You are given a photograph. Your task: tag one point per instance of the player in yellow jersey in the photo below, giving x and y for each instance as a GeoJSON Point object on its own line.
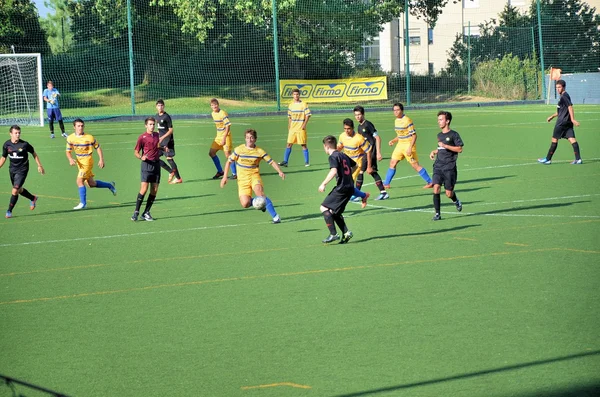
{"type": "Point", "coordinates": [222, 140]}
{"type": "Point", "coordinates": [248, 157]}
{"type": "Point", "coordinates": [298, 116]}
{"type": "Point", "coordinates": [356, 147]}
{"type": "Point", "coordinates": [406, 137]}
{"type": "Point", "coordinates": [83, 145]}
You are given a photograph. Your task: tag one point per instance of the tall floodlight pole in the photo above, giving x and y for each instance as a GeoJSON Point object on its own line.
{"type": "Point", "coordinates": [539, 18]}
{"type": "Point", "coordinates": [276, 53]}
{"type": "Point", "coordinates": [407, 38]}
{"type": "Point", "coordinates": [130, 41]}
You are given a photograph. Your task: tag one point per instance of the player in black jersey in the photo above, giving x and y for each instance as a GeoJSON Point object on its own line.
{"type": "Point", "coordinates": [368, 130]}
{"type": "Point", "coordinates": [332, 208]}
{"type": "Point", "coordinates": [17, 151]}
{"type": "Point", "coordinates": [167, 142]}
{"type": "Point", "coordinates": [564, 125]}
{"type": "Point", "coordinates": [445, 172]}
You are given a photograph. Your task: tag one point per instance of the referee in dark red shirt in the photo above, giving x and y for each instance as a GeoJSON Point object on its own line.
{"type": "Point", "coordinates": [147, 150]}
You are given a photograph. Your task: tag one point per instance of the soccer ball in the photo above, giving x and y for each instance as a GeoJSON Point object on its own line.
{"type": "Point", "coordinates": [259, 202]}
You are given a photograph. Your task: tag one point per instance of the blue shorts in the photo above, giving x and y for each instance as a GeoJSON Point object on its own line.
{"type": "Point", "coordinates": [54, 114]}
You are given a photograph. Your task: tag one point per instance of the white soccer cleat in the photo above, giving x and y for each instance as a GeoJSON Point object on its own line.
{"type": "Point", "coordinates": [79, 206]}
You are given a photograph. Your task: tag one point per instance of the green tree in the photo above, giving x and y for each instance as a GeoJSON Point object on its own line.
{"type": "Point", "coordinates": [57, 26]}
{"type": "Point", "coordinates": [19, 27]}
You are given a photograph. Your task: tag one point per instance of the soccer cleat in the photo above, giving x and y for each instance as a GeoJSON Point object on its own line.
{"type": "Point", "coordinates": [383, 196]}
{"type": "Point", "coordinates": [386, 187]}
{"type": "Point", "coordinates": [307, 164]}
{"type": "Point", "coordinates": [176, 181]}
{"type": "Point", "coordinates": [428, 186]}
{"type": "Point", "coordinates": [233, 177]}
{"type": "Point", "coordinates": [218, 175]}
{"type": "Point", "coordinates": [437, 217]}
{"type": "Point", "coordinates": [51, 136]}
{"type": "Point", "coordinates": [33, 202]}
{"type": "Point", "coordinates": [64, 135]}
{"type": "Point", "coordinates": [544, 161]}
{"type": "Point", "coordinates": [8, 214]}
{"type": "Point", "coordinates": [331, 238]}
{"type": "Point", "coordinates": [79, 206]}
{"type": "Point", "coordinates": [355, 199]}
{"type": "Point", "coordinates": [171, 176]}
{"type": "Point", "coordinates": [577, 161]}
{"type": "Point", "coordinates": [283, 164]}
{"type": "Point", "coordinates": [276, 220]}
{"type": "Point", "coordinates": [135, 215]}
{"type": "Point", "coordinates": [346, 237]}
{"type": "Point", "coordinates": [147, 216]}
{"type": "Point", "coordinates": [458, 205]}
{"type": "Point", "coordinates": [113, 189]}
{"type": "Point", "coordinates": [364, 200]}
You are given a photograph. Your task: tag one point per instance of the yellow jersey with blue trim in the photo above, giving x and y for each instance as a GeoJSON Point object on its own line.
{"type": "Point", "coordinates": [354, 146]}
{"type": "Point", "coordinates": [247, 159]}
{"type": "Point", "coordinates": [83, 146]}
{"type": "Point", "coordinates": [297, 113]}
{"type": "Point", "coordinates": [221, 119]}
{"type": "Point", "coordinates": [404, 128]}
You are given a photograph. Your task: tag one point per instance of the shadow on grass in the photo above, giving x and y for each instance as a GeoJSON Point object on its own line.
{"type": "Point", "coordinates": [223, 212]}
{"type": "Point", "coordinates": [590, 390]}
{"type": "Point", "coordinates": [529, 207]}
{"type": "Point", "coordinates": [430, 232]}
{"type": "Point", "coordinates": [428, 192]}
{"type": "Point", "coordinates": [493, 178]}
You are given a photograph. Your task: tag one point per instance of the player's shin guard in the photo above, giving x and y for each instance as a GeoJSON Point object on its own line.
{"type": "Point", "coordinates": [62, 126]}
{"type": "Point", "coordinates": [83, 195]}
{"type": "Point", "coordinates": [138, 202]}
{"type": "Point", "coordinates": [339, 220]}
{"type": "Point", "coordinates": [165, 167]}
{"type": "Point", "coordinates": [423, 173]}
{"type": "Point", "coordinates": [270, 207]}
{"type": "Point", "coordinates": [389, 176]}
{"type": "Point", "coordinates": [359, 180]}
{"type": "Point", "coordinates": [551, 151]}
{"type": "Point", "coordinates": [576, 151]}
{"type": "Point", "coordinates": [149, 202]}
{"type": "Point", "coordinates": [25, 193]}
{"type": "Point", "coordinates": [453, 197]}
{"type": "Point", "coordinates": [51, 125]}
{"type": "Point", "coordinates": [286, 154]}
{"type": "Point", "coordinates": [359, 193]}
{"type": "Point", "coordinates": [436, 202]}
{"type": "Point", "coordinates": [329, 222]}
{"type": "Point", "coordinates": [217, 162]}
{"type": "Point", "coordinates": [174, 168]}
{"type": "Point", "coordinates": [305, 153]}
{"type": "Point", "coordinates": [13, 202]}
{"type": "Point", "coordinates": [379, 185]}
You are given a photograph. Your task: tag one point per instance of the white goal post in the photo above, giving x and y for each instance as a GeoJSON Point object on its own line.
{"type": "Point", "coordinates": [21, 89]}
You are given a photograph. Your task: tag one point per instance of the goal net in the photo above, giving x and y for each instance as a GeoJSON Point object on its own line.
{"type": "Point", "coordinates": [21, 89]}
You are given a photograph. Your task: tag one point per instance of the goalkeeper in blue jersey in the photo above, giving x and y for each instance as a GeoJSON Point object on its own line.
{"type": "Point", "coordinates": [50, 96]}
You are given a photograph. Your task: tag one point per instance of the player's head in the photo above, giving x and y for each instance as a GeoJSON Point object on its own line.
{"type": "Point", "coordinates": [250, 135]}
{"type": "Point", "coordinates": [160, 102]}
{"type": "Point", "coordinates": [560, 86]}
{"type": "Point", "coordinates": [15, 131]}
{"type": "Point", "coordinates": [444, 118]}
{"type": "Point", "coordinates": [149, 119]}
{"type": "Point", "coordinates": [330, 142]}
{"type": "Point", "coordinates": [398, 109]}
{"type": "Point", "coordinates": [296, 94]}
{"type": "Point", "coordinates": [214, 104]}
{"type": "Point", "coordinates": [348, 126]}
{"type": "Point", "coordinates": [359, 113]}
{"type": "Point", "coordinates": [78, 124]}
{"type": "Point", "coordinates": [160, 106]}
{"type": "Point", "coordinates": [50, 84]}
{"type": "Point", "coordinates": [149, 123]}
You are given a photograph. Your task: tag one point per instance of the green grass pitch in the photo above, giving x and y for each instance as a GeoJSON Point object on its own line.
{"type": "Point", "coordinates": [212, 299]}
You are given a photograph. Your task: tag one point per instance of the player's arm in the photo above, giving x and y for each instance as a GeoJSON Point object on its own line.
{"type": "Point", "coordinates": [572, 116]}
{"type": "Point", "coordinates": [39, 163]}
{"type": "Point", "coordinates": [225, 173]}
{"type": "Point", "coordinates": [306, 118]}
{"type": "Point", "coordinates": [2, 161]}
{"type": "Point", "coordinates": [457, 149]}
{"type": "Point", "coordinates": [69, 155]}
{"type": "Point", "coordinates": [413, 141]}
{"type": "Point", "coordinates": [167, 134]}
{"type": "Point", "coordinates": [378, 146]}
{"type": "Point", "coordinates": [101, 156]}
{"type": "Point", "coordinates": [549, 119]}
{"type": "Point", "coordinates": [276, 166]}
{"type": "Point", "coordinates": [226, 134]}
{"type": "Point", "coordinates": [332, 173]}
{"type": "Point", "coordinates": [433, 154]}
{"type": "Point", "coordinates": [393, 141]}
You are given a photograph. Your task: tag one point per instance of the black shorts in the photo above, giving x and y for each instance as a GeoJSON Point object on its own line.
{"type": "Point", "coordinates": [170, 152]}
{"type": "Point", "coordinates": [336, 200]}
{"type": "Point", "coordinates": [563, 131]}
{"type": "Point", "coordinates": [445, 177]}
{"type": "Point", "coordinates": [151, 171]}
{"type": "Point", "coordinates": [18, 178]}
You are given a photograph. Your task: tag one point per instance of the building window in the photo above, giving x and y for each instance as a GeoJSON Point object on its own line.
{"type": "Point", "coordinates": [516, 3]}
{"type": "Point", "coordinates": [474, 30]}
{"type": "Point", "coordinates": [370, 50]}
{"type": "Point", "coordinates": [430, 36]}
{"type": "Point", "coordinates": [414, 40]}
{"type": "Point", "coordinates": [430, 68]}
{"type": "Point", "coordinates": [470, 3]}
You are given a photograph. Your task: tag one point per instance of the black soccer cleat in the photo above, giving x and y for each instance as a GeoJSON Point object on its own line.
{"type": "Point", "coordinates": [437, 217]}
{"type": "Point", "coordinates": [458, 205]}
{"type": "Point", "coordinates": [283, 164]}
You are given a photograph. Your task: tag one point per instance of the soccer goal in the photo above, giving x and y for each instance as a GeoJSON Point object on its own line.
{"type": "Point", "coordinates": [21, 89]}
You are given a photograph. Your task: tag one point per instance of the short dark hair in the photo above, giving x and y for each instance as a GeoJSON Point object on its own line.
{"type": "Point", "coordinates": [214, 100]}
{"type": "Point", "coordinates": [349, 123]}
{"type": "Point", "coordinates": [296, 90]}
{"type": "Point", "coordinates": [401, 106]}
{"type": "Point", "coordinates": [149, 119]}
{"type": "Point", "coordinates": [562, 83]}
{"type": "Point", "coordinates": [14, 127]}
{"type": "Point", "coordinates": [360, 109]}
{"type": "Point", "coordinates": [160, 102]}
{"type": "Point", "coordinates": [251, 132]}
{"type": "Point", "coordinates": [446, 114]}
{"type": "Point", "coordinates": [49, 82]}
{"type": "Point", "coordinates": [78, 121]}
{"type": "Point", "coordinates": [330, 141]}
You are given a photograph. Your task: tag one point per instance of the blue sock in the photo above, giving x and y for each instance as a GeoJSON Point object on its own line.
{"type": "Point", "coordinates": [425, 175]}
{"type": "Point", "coordinates": [270, 207]}
{"type": "Point", "coordinates": [305, 153]}
{"type": "Point", "coordinates": [390, 175]}
{"type": "Point", "coordinates": [104, 185]}
{"type": "Point", "coordinates": [82, 195]}
{"type": "Point", "coordinates": [233, 169]}
{"type": "Point", "coordinates": [286, 155]}
{"type": "Point", "coordinates": [217, 163]}
{"type": "Point", "coordinates": [359, 193]}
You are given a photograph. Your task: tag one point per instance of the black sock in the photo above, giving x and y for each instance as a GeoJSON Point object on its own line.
{"type": "Point", "coordinates": [165, 167]}
{"type": "Point", "coordinates": [329, 222]}
{"type": "Point", "coordinates": [138, 202]}
{"type": "Point", "coordinates": [339, 219]}
{"type": "Point", "coordinates": [13, 201]}
{"type": "Point", "coordinates": [51, 125]}
{"type": "Point", "coordinates": [149, 202]}
{"type": "Point", "coordinates": [576, 151]}
{"type": "Point", "coordinates": [453, 198]}
{"type": "Point", "coordinates": [378, 181]}
{"type": "Point", "coordinates": [25, 193]}
{"type": "Point", "coordinates": [62, 126]}
{"type": "Point", "coordinates": [436, 203]}
{"type": "Point", "coordinates": [359, 180]}
{"type": "Point", "coordinates": [174, 168]}
{"type": "Point", "coordinates": [551, 151]}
